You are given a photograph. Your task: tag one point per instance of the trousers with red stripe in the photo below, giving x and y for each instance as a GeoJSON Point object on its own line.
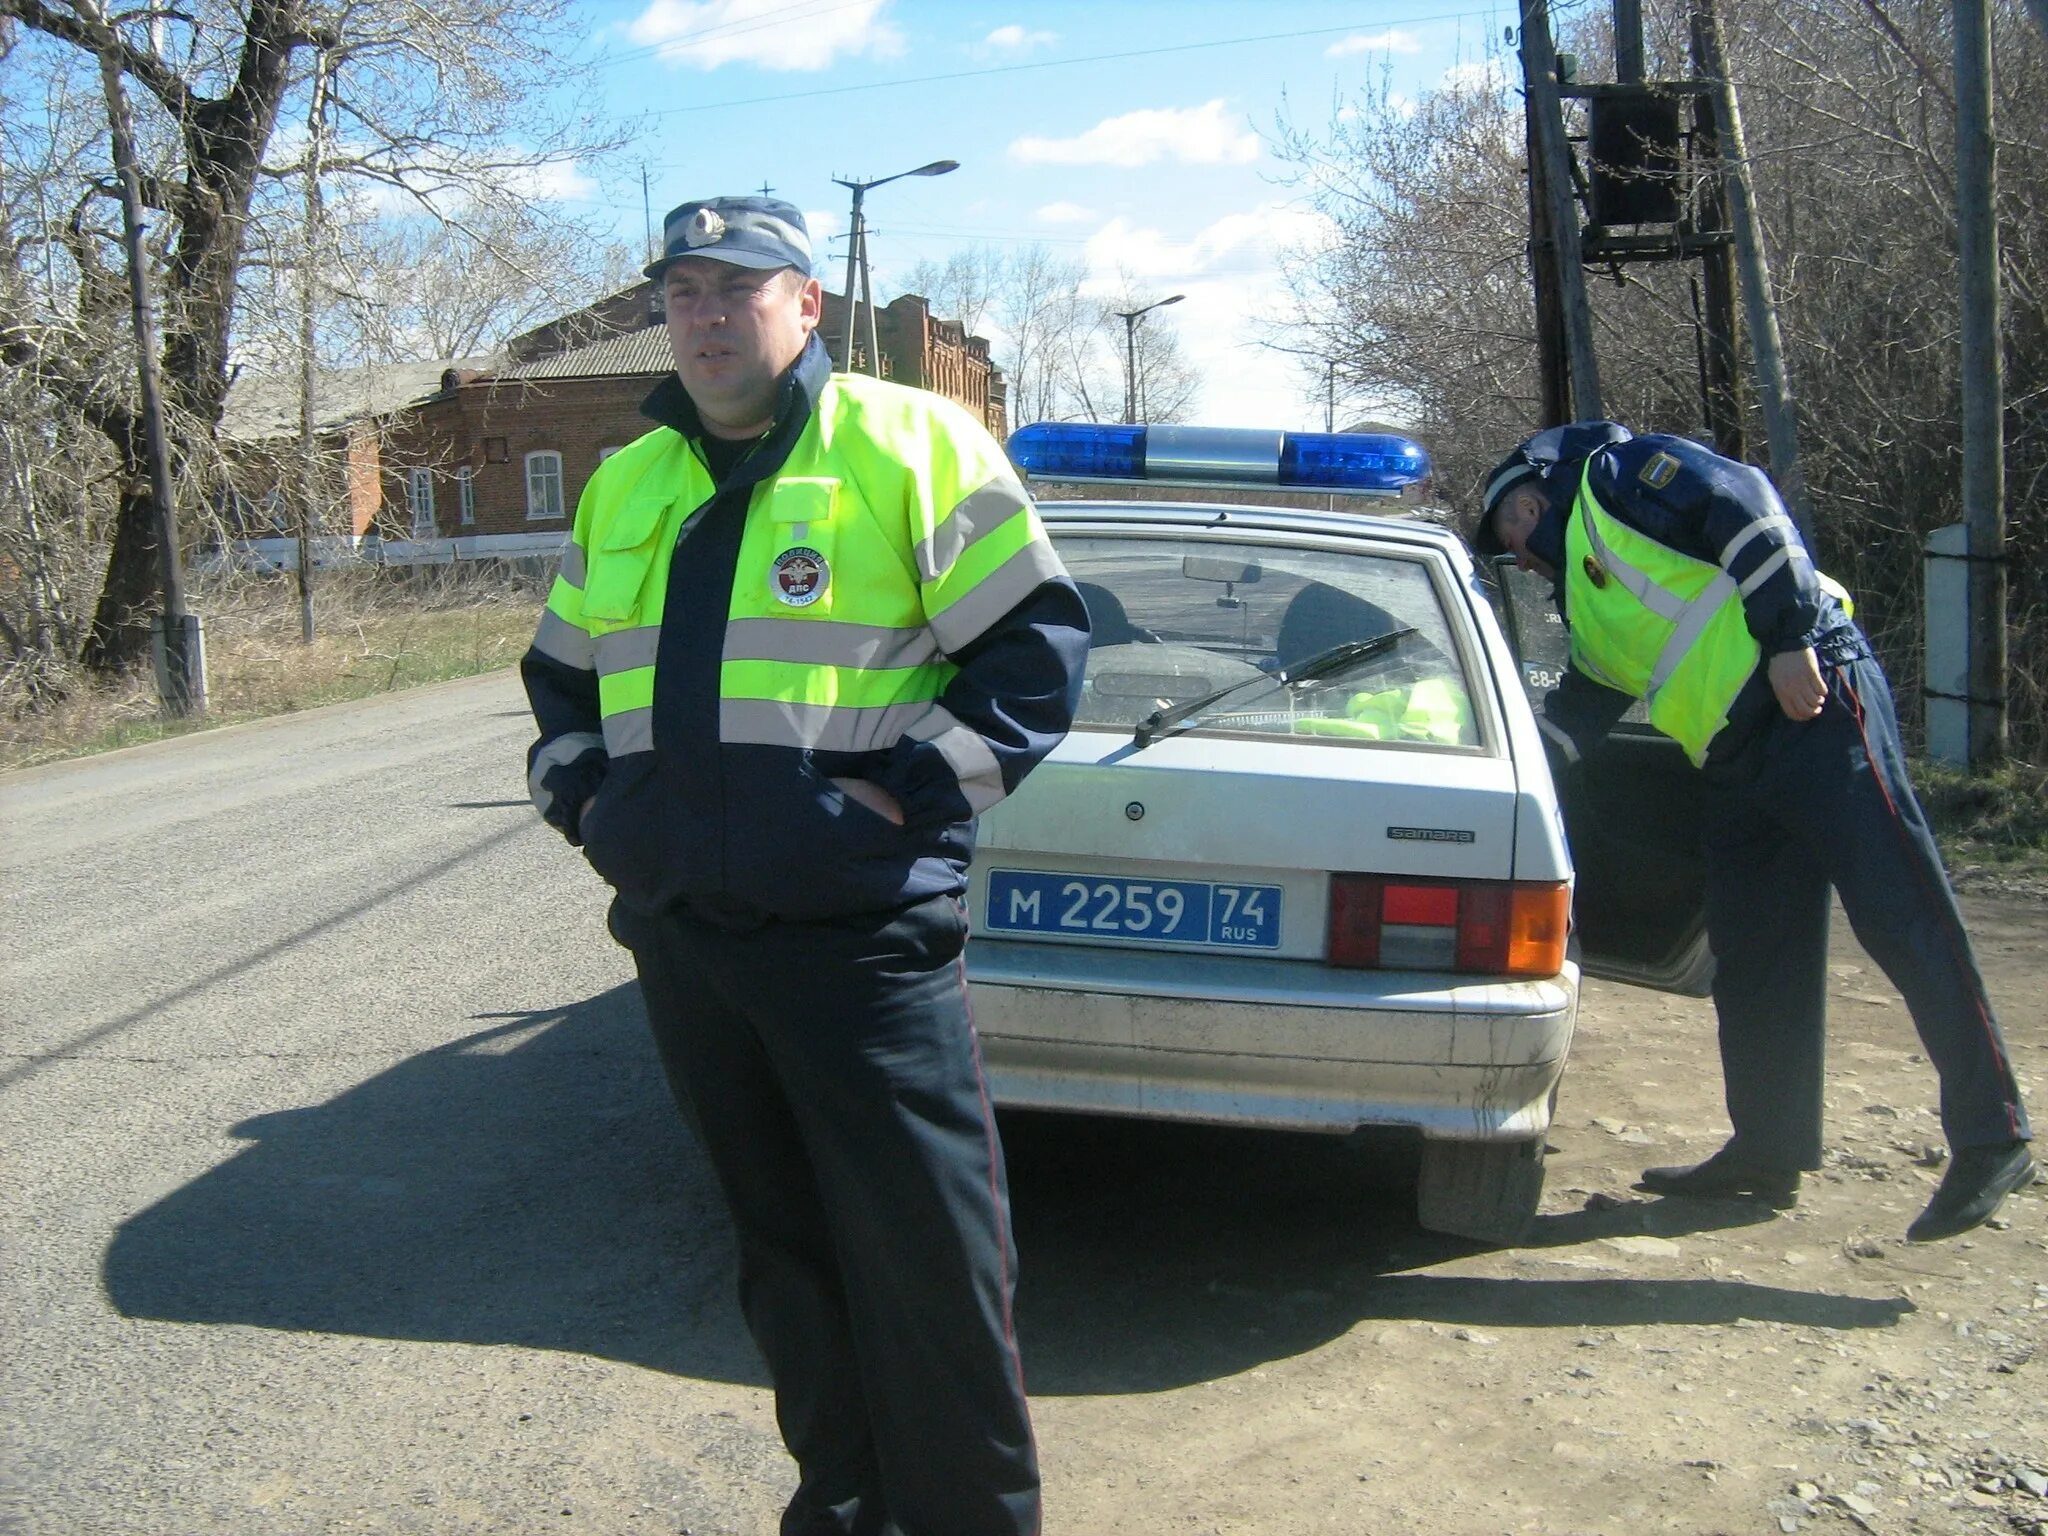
{"type": "Point", "coordinates": [1803, 807]}
{"type": "Point", "coordinates": [831, 1074]}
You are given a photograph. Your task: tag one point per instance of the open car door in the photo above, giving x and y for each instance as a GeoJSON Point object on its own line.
{"type": "Point", "coordinates": [1632, 816]}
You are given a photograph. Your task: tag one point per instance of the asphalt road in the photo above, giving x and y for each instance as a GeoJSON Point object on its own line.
{"type": "Point", "coordinates": [338, 1191]}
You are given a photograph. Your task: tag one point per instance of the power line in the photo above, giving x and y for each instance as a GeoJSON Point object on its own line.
{"type": "Point", "coordinates": [1092, 58]}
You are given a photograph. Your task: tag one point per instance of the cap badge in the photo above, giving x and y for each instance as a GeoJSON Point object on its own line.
{"type": "Point", "coordinates": [706, 228]}
{"type": "Point", "coordinates": [1596, 573]}
{"type": "Point", "coordinates": [799, 577]}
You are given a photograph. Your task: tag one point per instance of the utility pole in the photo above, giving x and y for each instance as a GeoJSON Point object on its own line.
{"type": "Point", "coordinates": [1546, 112]}
{"type": "Point", "coordinates": [182, 680]}
{"type": "Point", "coordinates": [1781, 425]}
{"type": "Point", "coordinates": [309, 279]}
{"type": "Point", "coordinates": [1983, 370]}
{"type": "Point", "coordinates": [1722, 381]}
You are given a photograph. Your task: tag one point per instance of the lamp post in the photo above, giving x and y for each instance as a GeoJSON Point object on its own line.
{"type": "Point", "coordinates": [1130, 318]}
{"type": "Point", "coordinates": [857, 256]}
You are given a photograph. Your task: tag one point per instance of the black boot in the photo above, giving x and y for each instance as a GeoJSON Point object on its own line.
{"type": "Point", "coordinates": [1730, 1171]}
{"type": "Point", "coordinates": [1976, 1184]}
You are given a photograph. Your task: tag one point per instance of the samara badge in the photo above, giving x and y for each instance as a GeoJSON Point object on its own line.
{"type": "Point", "coordinates": [799, 577]}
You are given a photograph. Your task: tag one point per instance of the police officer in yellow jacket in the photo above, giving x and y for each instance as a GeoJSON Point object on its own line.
{"type": "Point", "coordinates": [803, 632]}
{"type": "Point", "coordinates": [1686, 585]}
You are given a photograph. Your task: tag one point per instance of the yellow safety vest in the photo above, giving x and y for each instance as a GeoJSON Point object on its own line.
{"type": "Point", "coordinates": [1434, 710]}
{"type": "Point", "coordinates": [1658, 625]}
{"type": "Point", "coordinates": [894, 533]}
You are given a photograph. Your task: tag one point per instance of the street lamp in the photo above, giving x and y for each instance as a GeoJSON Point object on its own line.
{"type": "Point", "coordinates": [857, 255]}
{"type": "Point", "coordinates": [1130, 318]}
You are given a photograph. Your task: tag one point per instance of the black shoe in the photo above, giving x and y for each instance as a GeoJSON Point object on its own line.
{"type": "Point", "coordinates": [1975, 1185]}
{"type": "Point", "coordinates": [1729, 1171]}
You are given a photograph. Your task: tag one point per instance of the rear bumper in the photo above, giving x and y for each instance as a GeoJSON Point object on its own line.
{"type": "Point", "coordinates": [1236, 1040]}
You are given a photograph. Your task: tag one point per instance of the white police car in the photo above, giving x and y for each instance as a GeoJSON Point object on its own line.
{"type": "Point", "coordinates": [1300, 862]}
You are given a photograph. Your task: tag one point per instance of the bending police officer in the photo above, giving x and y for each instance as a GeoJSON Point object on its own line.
{"type": "Point", "coordinates": [804, 631]}
{"type": "Point", "coordinates": [1685, 584]}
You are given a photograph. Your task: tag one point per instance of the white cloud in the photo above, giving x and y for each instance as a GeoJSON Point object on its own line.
{"type": "Point", "coordinates": [1204, 135]}
{"type": "Point", "coordinates": [1065, 213]}
{"type": "Point", "coordinates": [709, 33]}
{"type": "Point", "coordinates": [1243, 244]}
{"type": "Point", "coordinates": [1392, 40]}
{"type": "Point", "coordinates": [1015, 39]}
{"type": "Point", "coordinates": [1230, 274]}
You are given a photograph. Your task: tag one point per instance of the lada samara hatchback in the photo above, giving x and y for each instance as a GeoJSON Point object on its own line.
{"type": "Point", "coordinates": [1301, 862]}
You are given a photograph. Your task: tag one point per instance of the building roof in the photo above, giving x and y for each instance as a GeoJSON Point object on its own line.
{"type": "Point", "coordinates": [265, 406]}
{"type": "Point", "coordinates": [644, 351]}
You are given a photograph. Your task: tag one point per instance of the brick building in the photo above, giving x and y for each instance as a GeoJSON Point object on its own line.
{"type": "Point", "coordinates": [493, 464]}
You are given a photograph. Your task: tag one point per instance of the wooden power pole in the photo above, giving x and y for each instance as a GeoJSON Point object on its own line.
{"type": "Point", "coordinates": [1552, 164]}
{"type": "Point", "coordinates": [1983, 385]}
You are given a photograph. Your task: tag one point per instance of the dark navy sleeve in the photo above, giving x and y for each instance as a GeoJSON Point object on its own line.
{"type": "Point", "coordinates": [1018, 686]}
{"type": "Point", "coordinates": [566, 763]}
{"type": "Point", "coordinates": [1718, 509]}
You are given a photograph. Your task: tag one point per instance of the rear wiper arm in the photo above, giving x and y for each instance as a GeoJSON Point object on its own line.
{"type": "Point", "coordinates": [1156, 724]}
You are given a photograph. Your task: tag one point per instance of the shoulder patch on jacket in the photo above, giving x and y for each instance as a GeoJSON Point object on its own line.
{"type": "Point", "coordinates": [1658, 471]}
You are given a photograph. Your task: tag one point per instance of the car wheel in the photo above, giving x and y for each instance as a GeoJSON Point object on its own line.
{"type": "Point", "coordinates": [1486, 1190]}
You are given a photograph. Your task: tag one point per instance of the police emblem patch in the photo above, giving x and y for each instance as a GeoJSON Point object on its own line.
{"type": "Point", "coordinates": [1658, 472]}
{"type": "Point", "coordinates": [706, 228]}
{"type": "Point", "coordinates": [799, 577]}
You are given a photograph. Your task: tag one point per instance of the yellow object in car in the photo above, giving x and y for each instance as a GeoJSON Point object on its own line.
{"type": "Point", "coordinates": [1434, 710]}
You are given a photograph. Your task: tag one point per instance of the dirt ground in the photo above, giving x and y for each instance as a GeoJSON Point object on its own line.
{"type": "Point", "coordinates": [1312, 1362]}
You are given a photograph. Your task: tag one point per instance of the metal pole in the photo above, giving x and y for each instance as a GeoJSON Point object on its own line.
{"type": "Point", "coordinates": [1130, 370]}
{"type": "Point", "coordinates": [1539, 76]}
{"type": "Point", "coordinates": [852, 265]}
{"type": "Point", "coordinates": [867, 293]}
{"type": "Point", "coordinates": [1554, 372]}
{"type": "Point", "coordinates": [1781, 425]}
{"type": "Point", "coordinates": [1983, 383]}
{"type": "Point", "coordinates": [183, 694]}
{"type": "Point", "coordinates": [1330, 399]}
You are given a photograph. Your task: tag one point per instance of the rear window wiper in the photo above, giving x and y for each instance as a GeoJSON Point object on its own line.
{"type": "Point", "coordinates": [1335, 659]}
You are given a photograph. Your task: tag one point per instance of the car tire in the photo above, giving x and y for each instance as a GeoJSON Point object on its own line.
{"type": "Point", "coordinates": [1485, 1190]}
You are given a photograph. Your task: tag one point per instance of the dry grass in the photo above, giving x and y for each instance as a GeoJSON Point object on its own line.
{"type": "Point", "coordinates": [374, 632]}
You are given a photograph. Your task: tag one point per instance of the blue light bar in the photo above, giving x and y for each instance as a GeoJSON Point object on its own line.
{"type": "Point", "coordinates": [1348, 463]}
{"type": "Point", "coordinates": [1074, 450]}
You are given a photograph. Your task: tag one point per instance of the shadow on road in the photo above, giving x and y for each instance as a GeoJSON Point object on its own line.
{"type": "Point", "coordinates": [531, 1184]}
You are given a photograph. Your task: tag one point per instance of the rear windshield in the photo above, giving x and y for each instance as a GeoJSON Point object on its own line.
{"type": "Point", "coordinates": [1178, 619]}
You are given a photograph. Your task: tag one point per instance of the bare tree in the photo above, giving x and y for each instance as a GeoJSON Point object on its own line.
{"type": "Point", "coordinates": [1422, 293]}
{"type": "Point", "coordinates": [441, 107]}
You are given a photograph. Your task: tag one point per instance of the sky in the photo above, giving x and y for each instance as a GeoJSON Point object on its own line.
{"type": "Point", "coordinates": [1134, 136]}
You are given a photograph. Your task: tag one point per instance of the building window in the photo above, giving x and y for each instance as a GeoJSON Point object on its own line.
{"type": "Point", "coordinates": [465, 493]}
{"type": "Point", "coordinates": [420, 492]}
{"type": "Point", "coordinates": [605, 453]}
{"type": "Point", "coordinates": [544, 484]}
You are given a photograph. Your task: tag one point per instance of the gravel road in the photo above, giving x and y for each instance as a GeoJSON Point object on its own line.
{"type": "Point", "coordinates": [338, 1192]}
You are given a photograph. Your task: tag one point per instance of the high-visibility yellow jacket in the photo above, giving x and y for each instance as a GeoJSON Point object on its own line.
{"type": "Point", "coordinates": [809, 618]}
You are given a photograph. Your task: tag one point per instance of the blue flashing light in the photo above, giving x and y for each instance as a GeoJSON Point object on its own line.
{"type": "Point", "coordinates": [1354, 461]}
{"type": "Point", "coordinates": [1079, 450]}
{"type": "Point", "coordinates": [1357, 463]}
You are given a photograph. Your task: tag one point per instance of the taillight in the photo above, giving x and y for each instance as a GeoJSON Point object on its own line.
{"type": "Point", "coordinates": [1492, 927]}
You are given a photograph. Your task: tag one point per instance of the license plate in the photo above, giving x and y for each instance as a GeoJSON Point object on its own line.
{"type": "Point", "coordinates": [1100, 906]}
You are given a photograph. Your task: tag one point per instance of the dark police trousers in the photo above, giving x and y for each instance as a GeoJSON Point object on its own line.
{"type": "Point", "coordinates": [1827, 803]}
{"type": "Point", "coordinates": [831, 1073]}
